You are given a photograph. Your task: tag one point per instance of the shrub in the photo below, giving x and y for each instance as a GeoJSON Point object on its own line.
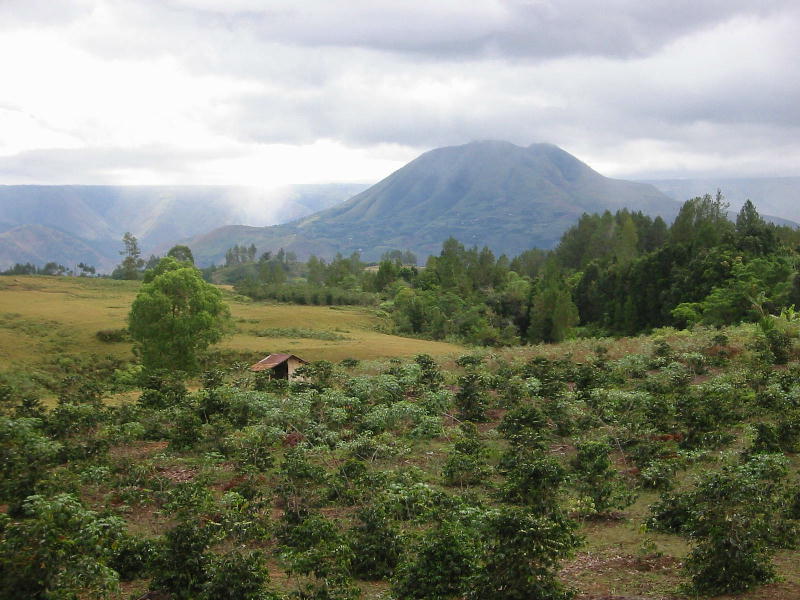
{"type": "Point", "coordinates": [25, 454]}
{"type": "Point", "coordinates": [181, 566]}
{"type": "Point", "coordinates": [521, 555]}
{"type": "Point", "coordinates": [251, 447]}
{"type": "Point", "coordinates": [597, 482]}
{"type": "Point", "coordinates": [659, 475]}
{"type": "Point", "coordinates": [439, 565]}
{"type": "Point", "coordinates": [466, 464]}
{"type": "Point", "coordinates": [780, 344]}
{"type": "Point", "coordinates": [533, 479]}
{"type": "Point", "coordinates": [525, 425]}
{"type": "Point", "coordinates": [733, 516]}
{"type": "Point", "coordinates": [133, 557]}
{"type": "Point", "coordinates": [376, 543]}
{"type": "Point", "coordinates": [238, 576]}
{"type": "Point", "coordinates": [312, 545]}
{"type": "Point", "coordinates": [430, 376]}
{"type": "Point", "coordinates": [60, 550]}
{"type": "Point", "coordinates": [111, 336]}
{"type": "Point", "coordinates": [471, 399]}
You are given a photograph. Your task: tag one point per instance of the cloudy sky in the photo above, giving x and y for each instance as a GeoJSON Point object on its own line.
{"type": "Point", "coordinates": [267, 92]}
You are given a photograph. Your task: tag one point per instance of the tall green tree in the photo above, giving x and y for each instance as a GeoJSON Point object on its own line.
{"type": "Point", "coordinates": [132, 262]}
{"type": "Point", "coordinates": [175, 317]}
{"type": "Point", "coordinates": [553, 312]}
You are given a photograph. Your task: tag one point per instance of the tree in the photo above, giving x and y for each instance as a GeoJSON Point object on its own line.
{"type": "Point", "coordinates": [175, 317]}
{"type": "Point", "coordinates": [753, 234]}
{"type": "Point", "coordinates": [702, 222]}
{"type": "Point", "coordinates": [86, 270]}
{"type": "Point", "coordinates": [552, 314]}
{"type": "Point", "coordinates": [132, 262]}
{"type": "Point", "coordinates": [181, 253]}
{"type": "Point", "coordinates": [626, 240]}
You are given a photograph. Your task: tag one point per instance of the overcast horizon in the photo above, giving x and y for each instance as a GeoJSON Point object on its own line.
{"type": "Point", "coordinates": [268, 93]}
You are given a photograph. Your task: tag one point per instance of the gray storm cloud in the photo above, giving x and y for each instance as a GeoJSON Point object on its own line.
{"type": "Point", "coordinates": [642, 88]}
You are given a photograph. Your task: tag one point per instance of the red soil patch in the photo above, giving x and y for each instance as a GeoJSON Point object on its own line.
{"type": "Point", "coordinates": [178, 474]}
{"type": "Point", "coordinates": [138, 450]}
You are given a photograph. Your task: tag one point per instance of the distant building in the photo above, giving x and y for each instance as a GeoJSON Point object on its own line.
{"type": "Point", "coordinates": [280, 366]}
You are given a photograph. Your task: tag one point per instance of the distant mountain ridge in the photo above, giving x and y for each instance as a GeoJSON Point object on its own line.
{"type": "Point", "coordinates": [491, 193]}
{"type": "Point", "coordinates": [776, 196]}
{"type": "Point", "coordinates": [78, 223]}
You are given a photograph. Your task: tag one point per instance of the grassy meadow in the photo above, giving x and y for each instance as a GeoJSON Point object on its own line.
{"type": "Point", "coordinates": [44, 319]}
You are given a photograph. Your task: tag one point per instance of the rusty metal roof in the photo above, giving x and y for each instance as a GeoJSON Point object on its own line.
{"type": "Point", "coordinates": [273, 360]}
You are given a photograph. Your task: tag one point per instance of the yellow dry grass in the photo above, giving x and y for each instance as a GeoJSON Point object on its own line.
{"type": "Point", "coordinates": [42, 316]}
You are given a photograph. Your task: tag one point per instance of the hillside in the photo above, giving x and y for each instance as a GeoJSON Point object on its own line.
{"type": "Point", "coordinates": [42, 317]}
{"type": "Point", "coordinates": [608, 466]}
{"type": "Point", "coordinates": [39, 244]}
{"type": "Point", "coordinates": [75, 223]}
{"type": "Point", "coordinates": [490, 193]}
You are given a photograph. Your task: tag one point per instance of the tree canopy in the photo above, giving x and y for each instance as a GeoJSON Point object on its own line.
{"type": "Point", "coordinates": [176, 316]}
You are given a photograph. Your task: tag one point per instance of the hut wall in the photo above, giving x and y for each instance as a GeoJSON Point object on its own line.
{"type": "Point", "coordinates": [292, 364]}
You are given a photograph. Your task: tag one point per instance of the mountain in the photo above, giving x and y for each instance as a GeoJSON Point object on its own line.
{"type": "Point", "coordinates": [39, 244]}
{"type": "Point", "coordinates": [492, 193]}
{"type": "Point", "coordinates": [777, 196]}
{"type": "Point", "coordinates": [61, 223]}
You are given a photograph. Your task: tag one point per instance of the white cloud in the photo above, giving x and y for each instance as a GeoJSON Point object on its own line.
{"type": "Point", "coordinates": [246, 91]}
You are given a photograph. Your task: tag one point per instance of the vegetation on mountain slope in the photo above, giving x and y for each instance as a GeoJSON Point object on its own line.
{"type": "Point", "coordinates": [611, 274]}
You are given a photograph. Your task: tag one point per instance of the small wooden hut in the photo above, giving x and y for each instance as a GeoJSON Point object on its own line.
{"type": "Point", "coordinates": [280, 366]}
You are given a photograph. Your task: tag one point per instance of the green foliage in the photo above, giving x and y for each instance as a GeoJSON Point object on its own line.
{"type": "Point", "coordinates": [133, 556]}
{"type": "Point", "coordinates": [181, 253]}
{"type": "Point", "coordinates": [299, 332]}
{"type": "Point", "coordinates": [181, 566]}
{"type": "Point", "coordinates": [553, 314]}
{"type": "Point", "coordinates": [132, 263]}
{"type": "Point", "coordinates": [25, 454]}
{"type": "Point", "coordinates": [471, 398]}
{"type": "Point", "coordinates": [312, 545]}
{"type": "Point", "coordinates": [162, 389]}
{"type": "Point", "coordinates": [533, 479]}
{"type": "Point", "coordinates": [467, 462]}
{"type": "Point", "coordinates": [430, 377]}
{"type": "Point", "coordinates": [60, 550]}
{"type": "Point", "coordinates": [733, 517]}
{"type": "Point", "coordinates": [596, 480]}
{"type": "Point", "coordinates": [521, 554]}
{"type": "Point", "coordinates": [439, 565]}
{"type": "Point", "coordinates": [525, 426]}
{"type": "Point", "coordinates": [238, 576]}
{"type": "Point", "coordinates": [376, 543]}
{"type": "Point", "coordinates": [175, 317]}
